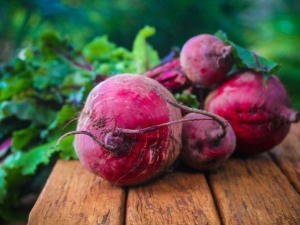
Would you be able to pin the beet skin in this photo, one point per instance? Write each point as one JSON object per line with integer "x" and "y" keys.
{"x": 260, "y": 114}
{"x": 203, "y": 147}
{"x": 205, "y": 60}
{"x": 115, "y": 111}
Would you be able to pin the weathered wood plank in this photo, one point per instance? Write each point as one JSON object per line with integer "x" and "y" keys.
{"x": 287, "y": 156}
{"x": 254, "y": 191}
{"x": 178, "y": 198}
{"x": 72, "y": 195}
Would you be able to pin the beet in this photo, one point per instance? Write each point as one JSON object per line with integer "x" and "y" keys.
{"x": 169, "y": 74}
{"x": 205, "y": 60}
{"x": 260, "y": 114}
{"x": 203, "y": 147}
{"x": 120, "y": 135}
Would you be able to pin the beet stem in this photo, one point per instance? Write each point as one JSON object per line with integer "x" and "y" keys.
{"x": 289, "y": 115}
{"x": 153, "y": 128}
{"x": 123, "y": 131}
{"x": 226, "y": 51}
{"x": 294, "y": 117}
{"x": 297, "y": 119}
{"x": 108, "y": 147}
{"x": 219, "y": 119}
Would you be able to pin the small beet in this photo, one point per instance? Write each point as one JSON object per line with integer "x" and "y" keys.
{"x": 205, "y": 60}
{"x": 260, "y": 114}
{"x": 204, "y": 147}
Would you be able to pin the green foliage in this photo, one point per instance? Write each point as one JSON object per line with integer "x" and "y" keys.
{"x": 276, "y": 37}
{"x": 28, "y": 111}
{"x": 144, "y": 55}
{"x": 246, "y": 59}
{"x": 41, "y": 97}
{"x": 27, "y": 162}
{"x": 187, "y": 98}
{"x": 22, "y": 138}
{"x": 99, "y": 47}
{"x": 113, "y": 59}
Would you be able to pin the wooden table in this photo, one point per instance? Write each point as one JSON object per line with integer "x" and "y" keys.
{"x": 257, "y": 190}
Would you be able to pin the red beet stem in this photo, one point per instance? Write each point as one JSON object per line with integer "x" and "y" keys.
{"x": 219, "y": 119}
{"x": 169, "y": 74}
{"x": 108, "y": 147}
{"x": 114, "y": 141}
{"x": 153, "y": 128}
{"x": 290, "y": 115}
{"x": 226, "y": 51}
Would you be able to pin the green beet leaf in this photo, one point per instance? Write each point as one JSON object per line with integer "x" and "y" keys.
{"x": 41, "y": 96}
{"x": 145, "y": 56}
{"x": 28, "y": 162}
{"x": 3, "y": 185}
{"x": 66, "y": 149}
{"x": 107, "y": 58}
{"x": 99, "y": 49}
{"x": 247, "y": 59}
{"x": 17, "y": 166}
{"x": 22, "y": 138}
{"x": 187, "y": 98}
{"x": 27, "y": 110}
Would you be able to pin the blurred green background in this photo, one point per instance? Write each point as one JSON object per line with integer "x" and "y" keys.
{"x": 271, "y": 28}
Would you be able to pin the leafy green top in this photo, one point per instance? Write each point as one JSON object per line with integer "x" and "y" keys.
{"x": 41, "y": 95}
{"x": 247, "y": 59}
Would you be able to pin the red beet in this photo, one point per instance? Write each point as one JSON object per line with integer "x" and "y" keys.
{"x": 169, "y": 74}
{"x": 259, "y": 114}
{"x": 205, "y": 59}
{"x": 119, "y": 137}
{"x": 204, "y": 148}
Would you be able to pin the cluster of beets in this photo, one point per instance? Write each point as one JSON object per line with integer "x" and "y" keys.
{"x": 131, "y": 128}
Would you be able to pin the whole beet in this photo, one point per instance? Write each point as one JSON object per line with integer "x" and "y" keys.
{"x": 110, "y": 140}
{"x": 260, "y": 114}
{"x": 203, "y": 147}
{"x": 205, "y": 60}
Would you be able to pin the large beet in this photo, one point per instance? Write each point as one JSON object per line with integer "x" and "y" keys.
{"x": 259, "y": 114}
{"x": 116, "y": 113}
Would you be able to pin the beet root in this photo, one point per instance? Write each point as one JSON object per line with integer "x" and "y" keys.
{"x": 203, "y": 148}
{"x": 259, "y": 114}
{"x": 112, "y": 138}
{"x": 205, "y": 60}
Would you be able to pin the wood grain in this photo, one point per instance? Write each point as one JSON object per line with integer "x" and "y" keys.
{"x": 254, "y": 191}
{"x": 263, "y": 189}
{"x": 178, "y": 198}
{"x": 72, "y": 195}
{"x": 287, "y": 156}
